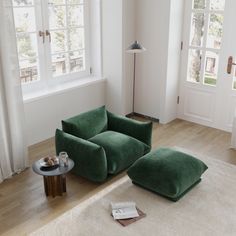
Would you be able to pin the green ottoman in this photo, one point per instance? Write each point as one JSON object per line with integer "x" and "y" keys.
{"x": 168, "y": 172}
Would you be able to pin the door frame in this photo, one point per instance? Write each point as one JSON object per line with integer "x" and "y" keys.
{"x": 204, "y": 97}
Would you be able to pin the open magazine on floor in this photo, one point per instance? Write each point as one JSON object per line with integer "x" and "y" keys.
{"x": 124, "y": 210}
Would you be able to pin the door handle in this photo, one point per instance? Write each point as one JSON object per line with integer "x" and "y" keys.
{"x": 42, "y": 34}
{"x": 48, "y": 34}
{"x": 230, "y": 64}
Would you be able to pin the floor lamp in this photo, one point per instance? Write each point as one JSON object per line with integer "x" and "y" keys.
{"x": 135, "y": 48}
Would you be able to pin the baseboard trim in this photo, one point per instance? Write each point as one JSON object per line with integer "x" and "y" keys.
{"x": 142, "y": 116}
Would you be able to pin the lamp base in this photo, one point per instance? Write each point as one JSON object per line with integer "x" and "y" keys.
{"x": 132, "y": 114}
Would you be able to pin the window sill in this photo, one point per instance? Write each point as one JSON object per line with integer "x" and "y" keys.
{"x": 61, "y": 88}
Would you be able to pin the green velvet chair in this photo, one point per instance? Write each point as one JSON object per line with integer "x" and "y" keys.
{"x": 102, "y": 143}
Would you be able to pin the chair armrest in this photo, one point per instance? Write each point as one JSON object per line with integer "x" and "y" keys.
{"x": 139, "y": 130}
{"x": 90, "y": 159}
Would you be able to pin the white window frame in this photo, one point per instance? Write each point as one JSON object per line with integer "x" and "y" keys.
{"x": 203, "y": 48}
{"x": 46, "y": 79}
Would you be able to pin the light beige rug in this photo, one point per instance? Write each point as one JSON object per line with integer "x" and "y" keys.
{"x": 208, "y": 209}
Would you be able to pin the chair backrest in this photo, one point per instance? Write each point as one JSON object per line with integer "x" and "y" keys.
{"x": 88, "y": 124}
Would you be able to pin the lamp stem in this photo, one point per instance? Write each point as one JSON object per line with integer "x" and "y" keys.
{"x": 134, "y": 82}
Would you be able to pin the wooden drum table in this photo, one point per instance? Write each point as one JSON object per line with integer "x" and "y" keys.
{"x": 54, "y": 178}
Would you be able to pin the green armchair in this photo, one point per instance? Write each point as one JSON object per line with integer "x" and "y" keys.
{"x": 102, "y": 143}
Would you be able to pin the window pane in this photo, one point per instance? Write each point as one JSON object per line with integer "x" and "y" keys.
{"x": 234, "y": 80}
{"x": 199, "y": 4}
{"x": 194, "y": 65}
{"x": 75, "y": 15}
{"x": 26, "y": 38}
{"x": 57, "y": 17}
{"x": 197, "y": 29}
{"x": 75, "y": 1}
{"x": 211, "y": 68}
{"x": 28, "y": 70}
{"x": 68, "y": 37}
{"x": 22, "y": 2}
{"x": 217, "y": 5}
{"x": 76, "y": 39}
{"x": 215, "y": 31}
{"x": 234, "y": 84}
{"x": 60, "y": 64}
{"x": 27, "y": 46}
{"x": 58, "y": 43}
{"x": 51, "y": 2}
{"x": 77, "y": 61}
{"x": 24, "y": 19}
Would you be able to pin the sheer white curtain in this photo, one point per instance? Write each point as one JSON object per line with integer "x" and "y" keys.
{"x": 13, "y": 149}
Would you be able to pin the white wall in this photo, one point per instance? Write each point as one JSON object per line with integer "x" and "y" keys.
{"x": 113, "y": 54}
{"x": 118, "y": 30}
{"x": 96, "y": 37}
{"x": 129, "y": 12}
{"x": 158, "y": 28}
{"x": 152, "y": 31}
{"x": 170, "y": 85}
{"x": 44, "y": 115}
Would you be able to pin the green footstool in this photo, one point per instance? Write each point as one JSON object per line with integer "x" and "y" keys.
{"x": 168, "y": 172}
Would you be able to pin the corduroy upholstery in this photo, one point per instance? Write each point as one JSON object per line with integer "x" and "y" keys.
{"x": 102, "y": 143}
{"x": 168, "y": 172}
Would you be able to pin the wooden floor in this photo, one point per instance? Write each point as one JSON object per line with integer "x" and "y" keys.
{"x": 24, "y": 207}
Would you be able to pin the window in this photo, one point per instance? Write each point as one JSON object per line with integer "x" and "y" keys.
{"x": 205, "y": 41}
{"x": 52, "y": 39}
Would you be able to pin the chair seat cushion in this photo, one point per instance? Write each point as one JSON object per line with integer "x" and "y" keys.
{"x": 167, "y": 172}
{"x": 121, "y": 150}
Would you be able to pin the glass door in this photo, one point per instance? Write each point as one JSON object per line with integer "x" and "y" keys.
{"x": 207, "y": 91}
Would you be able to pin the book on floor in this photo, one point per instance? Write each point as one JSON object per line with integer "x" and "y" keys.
{"x": 124, "y": 210}
{"x": 127, "y": 222}
{"x": 126, "y": 213}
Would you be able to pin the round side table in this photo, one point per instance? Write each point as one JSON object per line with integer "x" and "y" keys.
{"x": 54, "y": 179}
